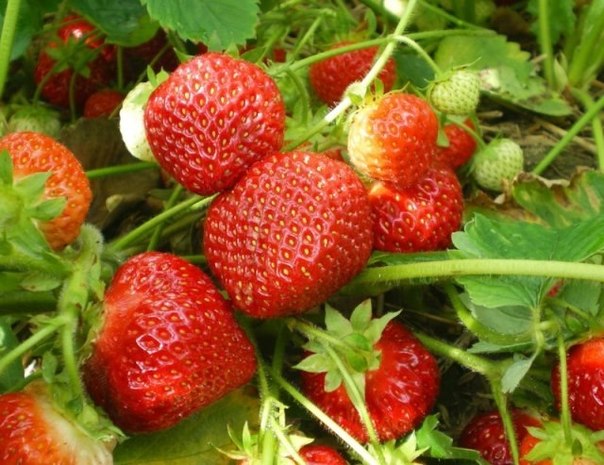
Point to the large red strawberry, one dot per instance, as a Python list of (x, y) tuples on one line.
[(418, 218), (585, 365), (290, 233), (33, 152), (486, 434), (211, 119), (461, 145), (169, 345), (399, 393), (329, 78), (77, 49), (393, 139), (33, 432)]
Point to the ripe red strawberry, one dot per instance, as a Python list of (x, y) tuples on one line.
[(485, 433), (34, 432), (211, 119), (290, 233), (102, 103), (34, 152), (393, 139), (58, 62), (461, 145), (331, 77), (585, 365), (316, 454), (169, 345), (417, 218), (398, 394)]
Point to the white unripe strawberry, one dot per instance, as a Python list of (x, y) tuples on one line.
[(456, 94), (501, 160), (132, 126)]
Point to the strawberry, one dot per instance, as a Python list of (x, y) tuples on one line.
[(35, 118), (211, 119), (169, 345), (399, 391), (78, 50), (417, 218), (33, 152), (485, 433), (132, 121), (316, 454), (499, 162), (331, 77), (33, 431), (393, 139), (102, 103), (461, 145), (585, 366), (457, 93), (290, 233)]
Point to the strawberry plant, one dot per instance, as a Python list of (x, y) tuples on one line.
[(285, 233)]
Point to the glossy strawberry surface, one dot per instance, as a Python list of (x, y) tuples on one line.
[(317, 454), (461, 145), (418, 218), (34, 432), (393, 139), (329, 78), (290, 233), (169, 345), (33, 152), (585, 365), (212, 118), (486, 434), (399, 394)]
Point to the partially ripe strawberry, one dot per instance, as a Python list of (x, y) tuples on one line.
[(417, 218), (500, 161), (169, 345), (211, 119), (398, 394), (331, 77), (585, 366), (457, 93), (393, 139), (58, 62), (486, 434), (461, 145), (33, 432), (102, 103), (289, 234), (34, 152)]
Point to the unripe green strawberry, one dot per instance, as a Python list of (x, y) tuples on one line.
[(457, 94), (35, 118), (501, 160)]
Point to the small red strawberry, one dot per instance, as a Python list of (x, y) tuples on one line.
[(316, 454), (290, 233), (461, 145), (169, 345), (399, 392), (331, 77), (485, 433), (33, 432), (585, 365), (102, 103), (211, 119), (78, 50), (417, 218), (393, 139), (34, 152)]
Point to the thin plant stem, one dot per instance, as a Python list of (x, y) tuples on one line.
[(545, 41), (506, 418), (596, 125), (121, 169), (7, 38), (155, 237), (565, 417)]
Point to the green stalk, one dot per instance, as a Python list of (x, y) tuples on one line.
[(7, 38), (583, 57), (596, 125), (545, 41), (155, 237), (489, 267), (21, 262), (14, 303), (565, 416), (506, 418), (363, 454), (593, 112), (121, 169)]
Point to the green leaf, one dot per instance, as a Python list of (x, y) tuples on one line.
[(582, 294), (13, 373), (336, 323), (361, 316), (49, 209), (377, 326), (38, 282), (316, 363), (125, 22), (6, 169), (561, 19), (32, 186), (195, 440), (504, 320), (516, 372), (217, 24), (333, 380)]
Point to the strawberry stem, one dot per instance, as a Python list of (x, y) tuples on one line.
[(30, 302), (155, 237), (596, 125), (354, 445), (565, 416), (120, 169), (506, 417), (545, 42), (7, 38)]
